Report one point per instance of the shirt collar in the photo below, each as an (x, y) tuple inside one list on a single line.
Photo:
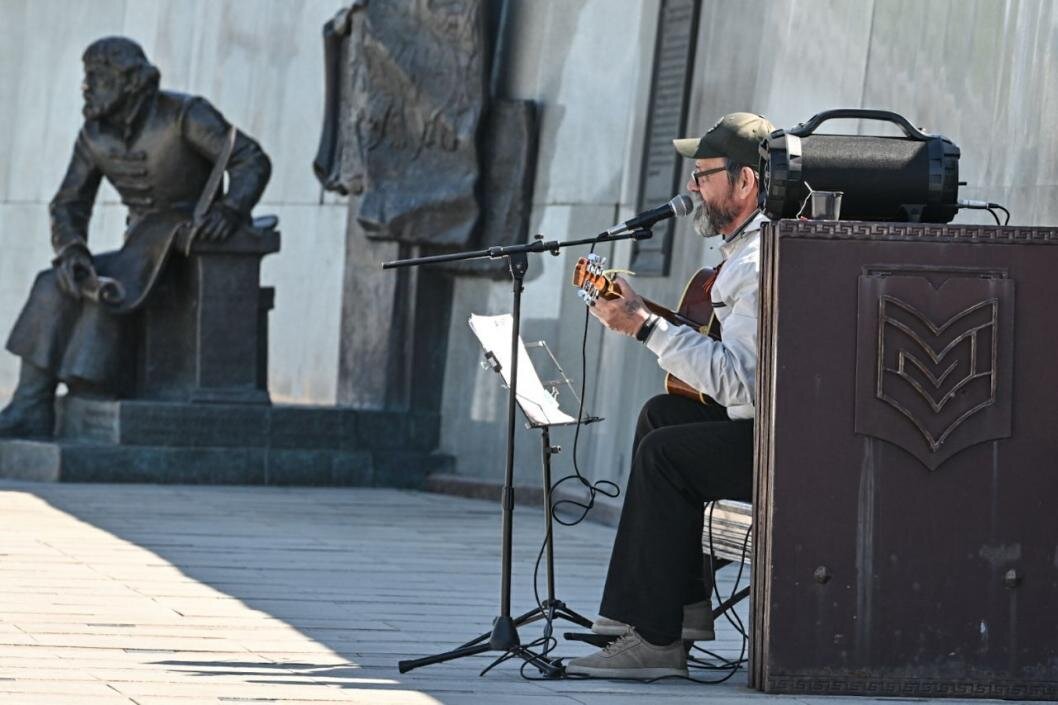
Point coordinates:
[(730, 247)]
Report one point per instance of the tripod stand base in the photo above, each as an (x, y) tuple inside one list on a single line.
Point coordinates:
[(504, 637), (552, 610)]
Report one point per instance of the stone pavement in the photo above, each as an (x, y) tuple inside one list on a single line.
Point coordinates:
[(162, 595)]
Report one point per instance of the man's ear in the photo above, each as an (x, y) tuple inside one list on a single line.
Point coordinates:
[(747, 181)]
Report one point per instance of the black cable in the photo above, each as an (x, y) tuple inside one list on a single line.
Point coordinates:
[(993, 214), (736, 621), (598, 487), (604, 487), (549, 643), (611, 489), (732, 667), (996, 205)]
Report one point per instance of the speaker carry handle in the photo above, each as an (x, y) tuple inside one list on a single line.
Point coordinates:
[(807, 128)]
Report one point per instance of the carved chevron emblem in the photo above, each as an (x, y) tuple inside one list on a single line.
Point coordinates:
[(938, 372), (927, 337)]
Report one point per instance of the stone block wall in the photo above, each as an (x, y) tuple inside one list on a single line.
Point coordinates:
[(982, 72)]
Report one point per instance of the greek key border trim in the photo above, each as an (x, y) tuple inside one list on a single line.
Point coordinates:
[(915, 232), (913, 687)]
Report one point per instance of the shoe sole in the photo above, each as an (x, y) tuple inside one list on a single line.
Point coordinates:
[(686, 635), (625, 672)]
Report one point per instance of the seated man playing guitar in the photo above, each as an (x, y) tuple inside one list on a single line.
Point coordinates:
[(686, 452)]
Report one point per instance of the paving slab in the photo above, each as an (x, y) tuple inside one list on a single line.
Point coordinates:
[(172, 595)]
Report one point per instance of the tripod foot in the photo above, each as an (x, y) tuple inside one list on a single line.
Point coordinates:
[(599, 640), (409, 664), (562, 611)]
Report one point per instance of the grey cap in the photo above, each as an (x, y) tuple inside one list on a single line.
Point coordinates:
[(736, 136)]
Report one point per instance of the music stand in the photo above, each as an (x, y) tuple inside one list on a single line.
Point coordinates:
[(504, 635), (539, 405)]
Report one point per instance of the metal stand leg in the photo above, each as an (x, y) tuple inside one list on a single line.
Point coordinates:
[(504, 635), (551, 608)]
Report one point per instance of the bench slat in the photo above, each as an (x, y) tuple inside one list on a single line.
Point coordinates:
[(730, 522)]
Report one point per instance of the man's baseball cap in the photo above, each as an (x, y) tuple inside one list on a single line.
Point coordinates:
[(736, 136)]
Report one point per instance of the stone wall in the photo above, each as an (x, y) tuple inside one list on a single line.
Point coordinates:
[(982, 72)]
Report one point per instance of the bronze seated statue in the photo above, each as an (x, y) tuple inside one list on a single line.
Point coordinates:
[(165, 153)]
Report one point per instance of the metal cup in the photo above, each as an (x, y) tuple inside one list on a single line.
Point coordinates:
[(826, 205)]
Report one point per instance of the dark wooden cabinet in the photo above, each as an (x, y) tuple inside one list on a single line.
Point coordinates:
[(906, 542)]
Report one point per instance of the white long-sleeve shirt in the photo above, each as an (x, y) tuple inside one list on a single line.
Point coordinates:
[(724, 369)]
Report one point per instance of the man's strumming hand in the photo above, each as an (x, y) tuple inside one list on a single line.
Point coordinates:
[(625, 314)]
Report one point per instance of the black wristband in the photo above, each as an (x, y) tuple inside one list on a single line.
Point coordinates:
[(647, 328)]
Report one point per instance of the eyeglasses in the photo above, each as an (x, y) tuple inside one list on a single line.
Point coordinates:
[(705, 172)]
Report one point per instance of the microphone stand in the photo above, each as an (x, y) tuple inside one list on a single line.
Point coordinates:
[(504, 636)]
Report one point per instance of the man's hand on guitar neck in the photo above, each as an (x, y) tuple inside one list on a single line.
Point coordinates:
[(625, 314)]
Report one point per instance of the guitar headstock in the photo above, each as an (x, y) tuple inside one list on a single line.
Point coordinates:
[(591, 280)]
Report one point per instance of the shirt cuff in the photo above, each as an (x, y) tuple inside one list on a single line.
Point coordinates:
[(659, 336)]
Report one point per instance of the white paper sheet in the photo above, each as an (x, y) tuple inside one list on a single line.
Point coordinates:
[(494, 333)]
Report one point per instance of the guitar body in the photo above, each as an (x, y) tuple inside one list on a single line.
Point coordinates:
[(695, 309), (696, 305)]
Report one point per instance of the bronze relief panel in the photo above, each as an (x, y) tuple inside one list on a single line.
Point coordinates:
[(934, 358)]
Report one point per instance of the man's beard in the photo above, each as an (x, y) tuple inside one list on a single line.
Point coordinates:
[(709, 219)]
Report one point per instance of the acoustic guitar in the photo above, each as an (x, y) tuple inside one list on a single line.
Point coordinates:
[(695, 308)]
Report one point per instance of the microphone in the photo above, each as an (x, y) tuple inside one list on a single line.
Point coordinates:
[(681, 205)]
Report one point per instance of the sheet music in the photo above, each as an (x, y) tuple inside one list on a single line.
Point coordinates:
[(494, 334)]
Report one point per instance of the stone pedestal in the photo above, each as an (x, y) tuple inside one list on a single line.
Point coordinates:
[(204, 332), (394, 327), (200, 411), (166, 442)]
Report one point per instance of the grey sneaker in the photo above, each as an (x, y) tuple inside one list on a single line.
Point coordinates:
[(697, 623), (631, 656)]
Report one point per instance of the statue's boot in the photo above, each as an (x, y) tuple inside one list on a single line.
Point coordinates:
[(31, 413)]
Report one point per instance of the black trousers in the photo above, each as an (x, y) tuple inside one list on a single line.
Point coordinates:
[(684, 454)]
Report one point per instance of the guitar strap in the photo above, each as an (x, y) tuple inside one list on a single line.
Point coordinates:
[(712, 279), (713, 329)]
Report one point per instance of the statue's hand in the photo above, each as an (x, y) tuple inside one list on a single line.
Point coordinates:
[(71, 267), (219, 223)]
